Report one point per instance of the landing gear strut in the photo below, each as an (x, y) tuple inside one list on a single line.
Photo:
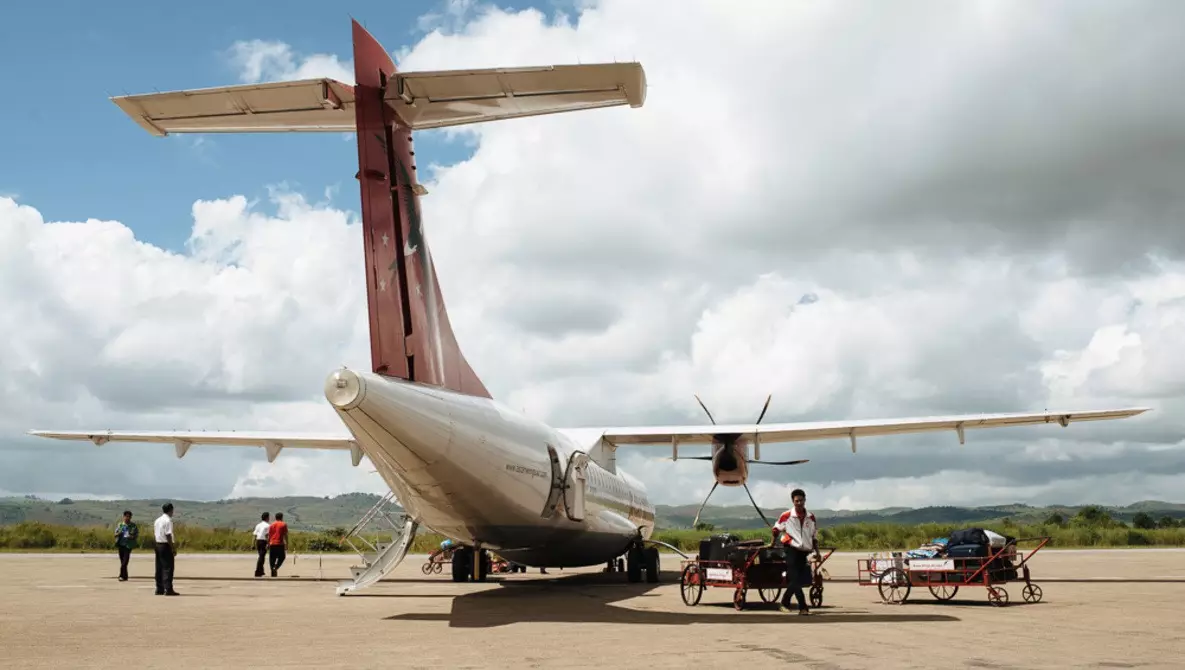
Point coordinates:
[(639, 559), (465, 568)]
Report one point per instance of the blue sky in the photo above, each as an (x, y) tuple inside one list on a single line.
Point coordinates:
[(72, 154)]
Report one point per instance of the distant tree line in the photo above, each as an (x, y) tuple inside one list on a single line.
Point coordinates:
[(1092, 526)]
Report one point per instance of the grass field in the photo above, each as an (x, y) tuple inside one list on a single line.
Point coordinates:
[(1077, 532)]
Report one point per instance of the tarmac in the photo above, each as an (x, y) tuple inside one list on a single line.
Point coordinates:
[(1101, 609)]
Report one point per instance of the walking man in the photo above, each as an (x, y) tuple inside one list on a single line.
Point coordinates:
[(127, 535), (261, 537), (166, 551), (798, 530), (277, 540)]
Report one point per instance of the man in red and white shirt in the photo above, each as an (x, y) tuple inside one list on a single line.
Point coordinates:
[(797, 530)]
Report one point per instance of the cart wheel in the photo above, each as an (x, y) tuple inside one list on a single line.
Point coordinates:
[(894, 586), (943, 591), (816, 596), (438, 567), (769, 595), (1031, 593), (691, 586), (426, 568), (738, 599), (997, 596)]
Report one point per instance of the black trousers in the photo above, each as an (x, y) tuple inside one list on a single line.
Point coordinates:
[(164, 568), (797, 574), (261, 547), (276, 558), (125, 553)]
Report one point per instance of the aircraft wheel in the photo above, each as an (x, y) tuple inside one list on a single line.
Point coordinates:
[(652, 564), (633, 562)]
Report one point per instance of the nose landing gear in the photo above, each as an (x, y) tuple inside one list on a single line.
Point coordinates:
[(639, 559)]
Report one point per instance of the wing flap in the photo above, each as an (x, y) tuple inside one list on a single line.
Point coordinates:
[(457, 97), (822, 430), (306, 105), (182, 440)]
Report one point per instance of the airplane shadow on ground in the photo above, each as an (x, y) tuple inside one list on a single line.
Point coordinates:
[(589, 598)]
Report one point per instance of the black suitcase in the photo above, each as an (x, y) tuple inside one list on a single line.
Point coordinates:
[(715, 548), (968, 536), (967, 551)]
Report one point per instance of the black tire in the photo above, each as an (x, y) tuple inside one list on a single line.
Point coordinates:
[(633, 565), (462, 565), (816, 596), (652, 564), (691, 586)]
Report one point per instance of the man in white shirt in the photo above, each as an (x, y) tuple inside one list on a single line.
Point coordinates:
[(260, 534), (166, 551), (797, 529)]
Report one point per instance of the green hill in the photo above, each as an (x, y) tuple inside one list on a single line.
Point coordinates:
[(308, 513)]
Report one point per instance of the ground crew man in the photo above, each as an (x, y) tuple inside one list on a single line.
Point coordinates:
[(261, 533), (127, 535), (166, 551), (797, 529), (277, 540)]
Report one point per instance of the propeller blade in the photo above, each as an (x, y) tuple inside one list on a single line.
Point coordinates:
[(805, 460), (695, 458), (759, 512), (701, 505), (766, 408), (701, 404)]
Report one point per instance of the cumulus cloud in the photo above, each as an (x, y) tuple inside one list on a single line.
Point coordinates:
[(943, 208)]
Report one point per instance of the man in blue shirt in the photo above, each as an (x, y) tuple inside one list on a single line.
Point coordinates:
[(127, 535)]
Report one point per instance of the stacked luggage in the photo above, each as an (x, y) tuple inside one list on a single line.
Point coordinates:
[(981, 543)]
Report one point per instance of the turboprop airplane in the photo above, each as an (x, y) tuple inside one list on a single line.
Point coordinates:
[(459, 462)]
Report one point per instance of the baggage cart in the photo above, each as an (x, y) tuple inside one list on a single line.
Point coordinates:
[(763, 568), (895, 577), (437, 560)]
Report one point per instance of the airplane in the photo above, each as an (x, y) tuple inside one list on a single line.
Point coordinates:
[(461, 463)]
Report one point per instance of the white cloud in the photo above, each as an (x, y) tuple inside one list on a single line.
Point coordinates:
[(984, 223)]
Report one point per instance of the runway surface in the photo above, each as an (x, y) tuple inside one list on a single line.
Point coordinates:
[(61, 611)]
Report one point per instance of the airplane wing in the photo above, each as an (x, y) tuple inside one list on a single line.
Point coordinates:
[(421, 99), (796, 432), (182, 440)]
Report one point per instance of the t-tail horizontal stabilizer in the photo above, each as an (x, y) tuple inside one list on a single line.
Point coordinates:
[(410, 334)]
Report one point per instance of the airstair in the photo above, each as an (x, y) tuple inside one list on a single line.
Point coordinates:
[(378, 558)]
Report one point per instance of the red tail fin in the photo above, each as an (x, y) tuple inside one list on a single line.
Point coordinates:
[(410, 335)]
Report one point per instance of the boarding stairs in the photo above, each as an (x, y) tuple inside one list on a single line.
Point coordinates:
[(378, 558)]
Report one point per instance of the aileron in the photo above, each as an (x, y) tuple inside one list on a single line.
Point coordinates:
[(823, 430)]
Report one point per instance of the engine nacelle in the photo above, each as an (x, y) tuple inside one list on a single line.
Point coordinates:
[(730, 460)]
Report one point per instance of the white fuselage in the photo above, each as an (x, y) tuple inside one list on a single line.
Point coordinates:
[(475, 471)]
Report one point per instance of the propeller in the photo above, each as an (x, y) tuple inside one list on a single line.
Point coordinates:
[(757, 453)]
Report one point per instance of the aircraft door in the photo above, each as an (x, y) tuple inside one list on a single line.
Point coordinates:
[(557, 483), (574, 486)]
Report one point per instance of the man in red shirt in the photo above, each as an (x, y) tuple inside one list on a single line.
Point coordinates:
[(277, 543), (797, 530)]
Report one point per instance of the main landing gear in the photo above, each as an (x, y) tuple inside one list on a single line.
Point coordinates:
[(466, 569), (639, 559)]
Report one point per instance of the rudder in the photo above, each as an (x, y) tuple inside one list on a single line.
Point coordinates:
[(410, 334)]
